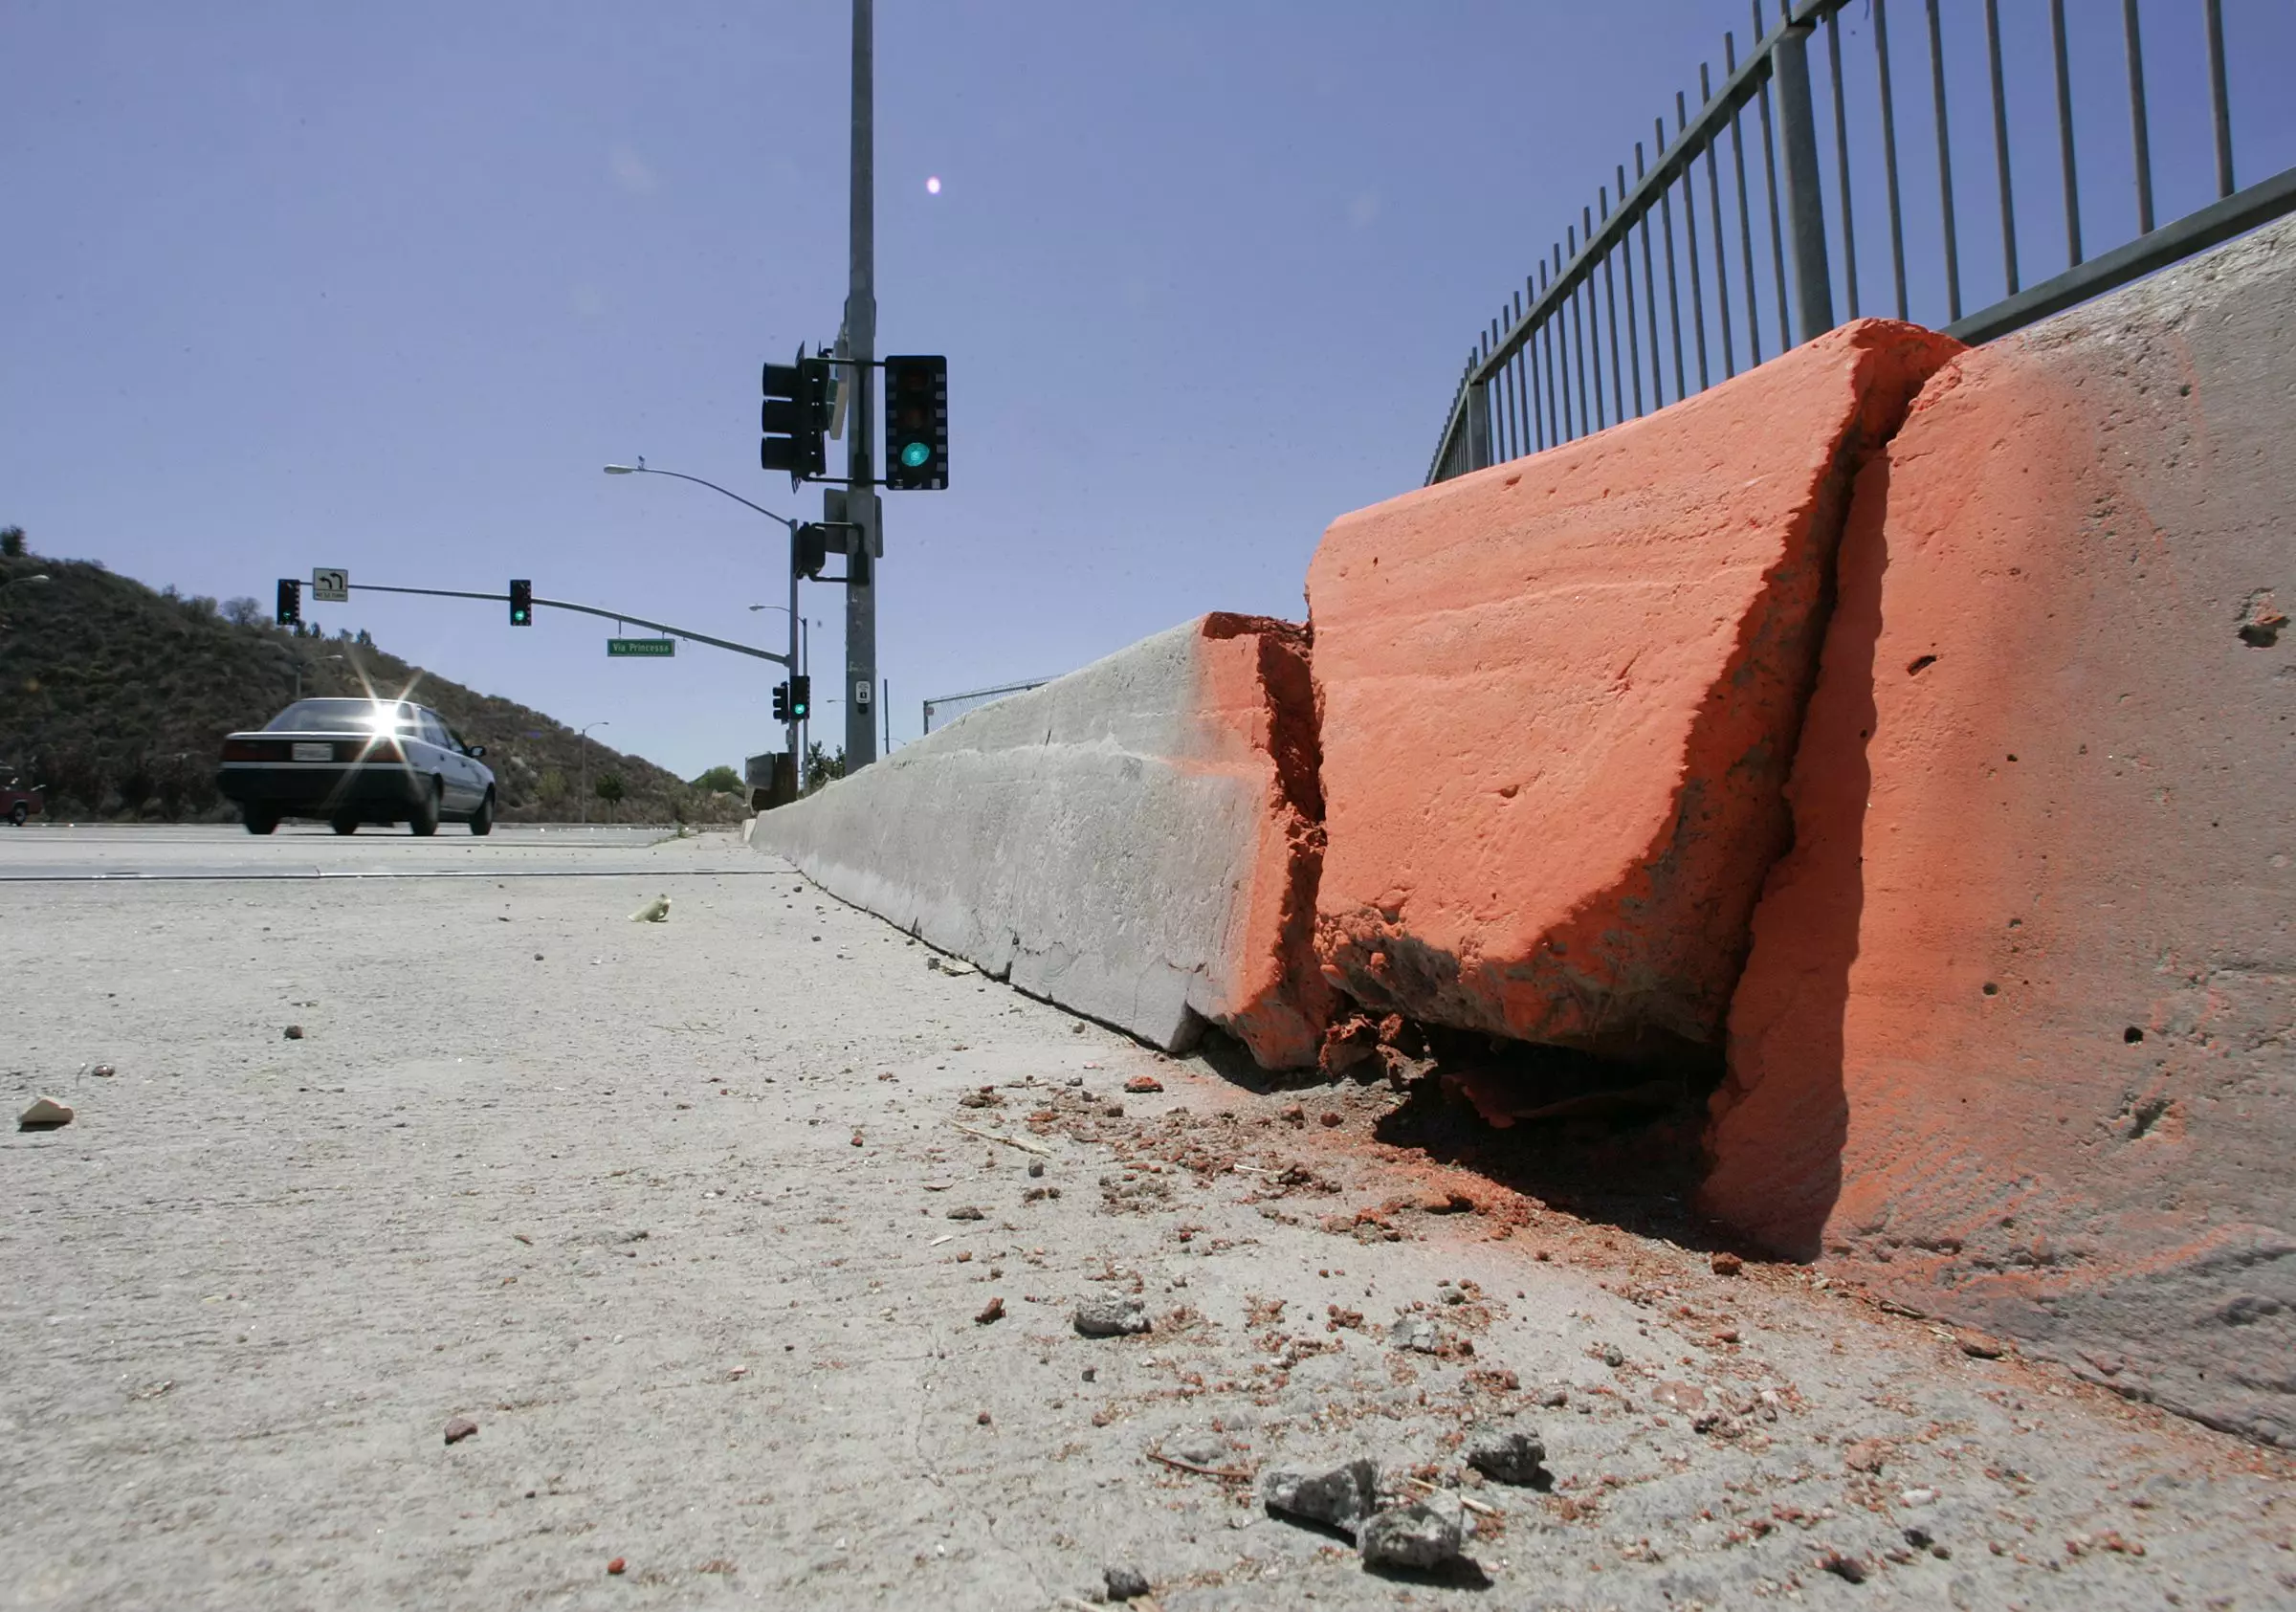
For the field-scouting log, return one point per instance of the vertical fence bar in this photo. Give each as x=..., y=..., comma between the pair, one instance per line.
x=1737, y=164
x=2000, y=143
x=1610, y=299
x=1529, y=359
x=2139, y=132
x=1658, y=395
x=1689, y=224
x=1713, y=213
x=2219, y=105
x=1556, y=426
x=1665, y=218
x=2065, y=136
x=1945, y=166
x=1586, y=413
x=1634, y=349
x=1594, y=326
x=1805, y=186
x=1478, y=425
x=1514, y=383
x=1850, y=232
x=1777, y=239
x=1897, y=217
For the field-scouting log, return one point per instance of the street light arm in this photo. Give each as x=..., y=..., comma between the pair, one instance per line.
x=649, y=469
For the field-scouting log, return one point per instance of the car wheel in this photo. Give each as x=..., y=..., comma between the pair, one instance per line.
x=345, y=824
x=425, y=820
x=482, y=821
x=18, y=812
x=258, y=821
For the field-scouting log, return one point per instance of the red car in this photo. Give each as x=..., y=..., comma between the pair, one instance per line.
x=17, y=803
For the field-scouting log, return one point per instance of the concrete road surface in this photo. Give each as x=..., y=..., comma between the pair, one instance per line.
x=723, y=1232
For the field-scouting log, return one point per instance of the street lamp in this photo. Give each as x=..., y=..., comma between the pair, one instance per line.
x=642, y=468
x=298, y=671
x=582, y=743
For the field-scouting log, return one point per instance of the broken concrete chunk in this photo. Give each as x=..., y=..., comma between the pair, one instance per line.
x=1111, y=1316
x=45, y=1114
x=1425, y=1533
x=1416, y=1332
x=1511, y=1457
x=460, y=1429
x=656, y=911
x=1125, y=1583
x=1341, y=1497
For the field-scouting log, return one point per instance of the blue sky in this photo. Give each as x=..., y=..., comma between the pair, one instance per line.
x=382, y=287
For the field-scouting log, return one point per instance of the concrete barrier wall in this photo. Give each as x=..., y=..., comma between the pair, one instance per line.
x=1136, y=841
x=2016, y=1040
x=1559, y=697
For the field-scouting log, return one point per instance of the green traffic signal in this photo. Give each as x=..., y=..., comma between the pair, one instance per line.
x=915, y=455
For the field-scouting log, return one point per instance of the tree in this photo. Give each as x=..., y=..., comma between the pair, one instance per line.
x=11, y=542
x=821, y=766
x=609, y=790
x=243, y=611
x=719, y=780
x=552, y=787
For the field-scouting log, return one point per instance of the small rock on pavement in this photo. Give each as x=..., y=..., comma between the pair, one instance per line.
x=1125, y=1583
x=294, y=1032
x=1424, y=1535
x=1036, y=1167
x=1143, y=1083
x=616, y=1566
x=1515, y=1458
x=1727, y=1264
x=965, y=1212
x=460, y=1429
x=1339, y=1498
x=992, y=1310
x=104, y=1071
x=1978, y=1345
x=45, y=1114
x=1417, y=1332
x=1111, y=1316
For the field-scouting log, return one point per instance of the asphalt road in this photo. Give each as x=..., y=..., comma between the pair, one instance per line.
x=670, y=1211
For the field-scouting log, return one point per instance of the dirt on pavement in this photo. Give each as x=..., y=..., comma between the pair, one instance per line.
x=749, y=1241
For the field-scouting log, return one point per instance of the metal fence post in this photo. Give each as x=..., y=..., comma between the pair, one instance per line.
x=1478, y=425
x=1805, y=203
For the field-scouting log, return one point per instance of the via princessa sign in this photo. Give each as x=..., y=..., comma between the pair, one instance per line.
x=641, y=645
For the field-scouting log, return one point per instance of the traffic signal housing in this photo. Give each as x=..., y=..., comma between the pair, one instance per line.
x=916, y=422
x=291, y=602
x=809, y=549
x=794, y=418
x=521, y=602
x=780, y=703
x=801, y=698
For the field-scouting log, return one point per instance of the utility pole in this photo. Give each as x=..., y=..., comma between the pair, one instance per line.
x=865, y=537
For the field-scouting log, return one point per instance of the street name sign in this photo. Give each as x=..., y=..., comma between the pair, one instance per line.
x=641, y=645
x=330, y=586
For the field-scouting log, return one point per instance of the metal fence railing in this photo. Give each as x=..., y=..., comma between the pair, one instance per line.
x=944, y=709
x=1724, y=246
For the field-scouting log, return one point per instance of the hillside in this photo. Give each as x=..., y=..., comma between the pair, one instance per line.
x=117, y=698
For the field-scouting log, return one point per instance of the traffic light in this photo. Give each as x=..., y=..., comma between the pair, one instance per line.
x=809, y=549
x=780, y=703
x=794, y=417
x=916, y=422
x=291, y=602
x=521, y=602
x=801, y=698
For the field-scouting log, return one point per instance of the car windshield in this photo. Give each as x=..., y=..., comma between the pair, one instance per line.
x=342, y=715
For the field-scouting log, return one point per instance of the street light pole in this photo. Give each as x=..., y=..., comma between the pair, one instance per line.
x=864, y=540
x=641, y=468
x=582, y=744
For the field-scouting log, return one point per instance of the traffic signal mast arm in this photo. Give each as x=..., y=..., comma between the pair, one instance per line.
x=782, y=660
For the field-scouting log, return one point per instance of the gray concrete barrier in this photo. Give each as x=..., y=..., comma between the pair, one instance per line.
x=1138, y=841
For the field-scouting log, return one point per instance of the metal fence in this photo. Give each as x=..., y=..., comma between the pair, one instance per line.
x=941, y=711
x=1668, y=281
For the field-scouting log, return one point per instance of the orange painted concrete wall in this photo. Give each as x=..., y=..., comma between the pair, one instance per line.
x=2017, y=1039
x=1559, y=697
